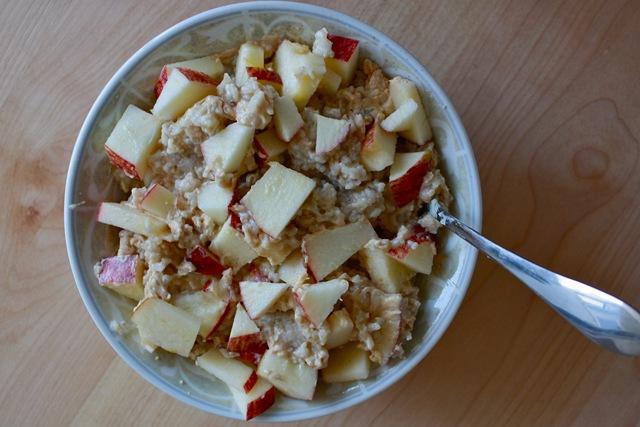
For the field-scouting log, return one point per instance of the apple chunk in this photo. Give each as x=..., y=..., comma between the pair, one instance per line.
x=231, y=246
x=266, y=77
x=208, y=307
x=292, y=270
x=286, y=118
x=227, y=149
x=340, y=328
x=182, y=89
x=406, y=176
x=123, y=274
x=208, y=66
x=132, y=141
x=276, y=197
x=417, y=252
x=348, y=363
x=402, y=118
x=296, y=380
x=329, y=133
x=327, y=250
x=385, y=272
x=401, y=91
x=268, y=145
x=123, y=216
x=245, y=336
x=214, y=200
x=300, y=70
x=158, y=201
x=345, y=57
x=259, y=297
x=166, y=325
x=378, y=148
x=259, y=399
x=317, y=300
x=205, y=262
x=249, y=55
x=330, y=83
x=232, y=372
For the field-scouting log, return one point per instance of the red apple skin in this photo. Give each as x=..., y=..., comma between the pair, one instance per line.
x=190, y=74
x=219, y=322
x=251, y=343
x=118, y=269
x=343, y=47
x=420, y=235
x=407, y=188
x=251, y=357
x=205, y=262
x=162, y=80
x=253, y=379
x=127, y=167
x=261, y=404
x=261, y=155
x=368, y=136
x=264, y=75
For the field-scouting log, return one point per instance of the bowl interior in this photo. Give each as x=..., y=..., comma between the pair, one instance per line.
x=90, y=183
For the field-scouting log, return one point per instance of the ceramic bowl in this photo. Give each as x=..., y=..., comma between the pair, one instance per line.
x=89, y=182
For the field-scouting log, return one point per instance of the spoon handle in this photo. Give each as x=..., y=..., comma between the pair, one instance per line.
x=601, y=317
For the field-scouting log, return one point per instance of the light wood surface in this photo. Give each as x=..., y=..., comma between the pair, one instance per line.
x=549, y=92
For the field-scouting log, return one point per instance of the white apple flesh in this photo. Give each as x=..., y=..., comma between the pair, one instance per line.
x=385, y=272
x=402, y=118
x=232, y=372
x=261, y=397
x=209, y=66
x=268, y=145
x=300, y=70
x=245, y=335
x=292, y=270
x=327, y=250
x=276, y=197
x=227, y=149
x=158, y=201
x=166, y=326
x=406, y=176
x=418, y=252
x=208, y=307
x=402, y=90
x=131, y=142
x=330, y=83
x=123, y=216
x=286, y=118
x=214, y=200
x=123, y=274
x=259, y=297
x=317, y=300
x=340, y=328
x=378, y=148
x=296, y=380
x=249, y=55
x=182, y=89
x=330, y=133
x=230, y=245
x=347, y=363
x=345, y=57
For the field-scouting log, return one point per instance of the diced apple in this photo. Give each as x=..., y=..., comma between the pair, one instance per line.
x=268, y=145
x=182, y=89
x=158, y=201
x=402, y=118
x=266, y=77
x=249, y=55
x=259, y=297
x=340, y=328
x=166, y=326
x=348, y=363
x=232, y=372
x=345, y=57
x=205, y=262
x=317, y=300
x=259, y=399
x=292, y=270
x=123, y=274
x=330, y=83
x=387, y=273
x=123, y=216
x=276, y=197
x=418, y=252
x=286, y=118
x=245, y=336
x=214, y=200
x=378, y=148
x=402, y=90
x=327, y=250
x=209, y=66
x=300, y=70
x=406, y=176
x=227, y=149
x=296, y=380
x=329, y=133
x=132, y=141
x=231, y=247
x=208, y=307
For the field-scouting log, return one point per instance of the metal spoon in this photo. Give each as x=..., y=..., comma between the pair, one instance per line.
x=601, y=317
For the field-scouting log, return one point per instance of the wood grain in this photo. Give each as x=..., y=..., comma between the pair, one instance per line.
x=550, y=96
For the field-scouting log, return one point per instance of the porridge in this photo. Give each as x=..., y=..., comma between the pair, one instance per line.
x=275, y=218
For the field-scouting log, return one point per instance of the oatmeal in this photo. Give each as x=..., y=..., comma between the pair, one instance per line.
x=275, y=215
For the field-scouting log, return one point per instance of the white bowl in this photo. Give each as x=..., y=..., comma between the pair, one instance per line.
x=89, y=182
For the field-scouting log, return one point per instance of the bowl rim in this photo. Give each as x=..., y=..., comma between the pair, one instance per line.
x=90, y=121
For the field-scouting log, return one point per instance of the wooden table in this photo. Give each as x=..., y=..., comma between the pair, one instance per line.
x=549, y=92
